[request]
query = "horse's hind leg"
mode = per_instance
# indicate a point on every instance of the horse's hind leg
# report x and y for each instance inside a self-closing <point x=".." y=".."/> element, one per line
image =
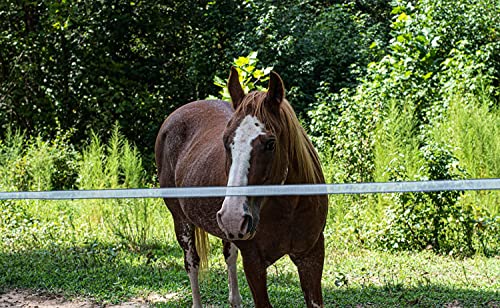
<point x="231" y="256"/>
<point x="310" y="267"/>
<point x="184" y="232"/>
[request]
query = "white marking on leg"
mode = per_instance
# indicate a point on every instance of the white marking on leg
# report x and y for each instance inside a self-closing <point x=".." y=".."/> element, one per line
<point x="192" y="272"/>
<point x="315" y="305"/>
<point x="195" y="287"/>
<point x="232" y="274"/>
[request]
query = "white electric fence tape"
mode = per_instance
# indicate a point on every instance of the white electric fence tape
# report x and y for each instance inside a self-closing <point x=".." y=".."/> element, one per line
<point x="270" y="190"/>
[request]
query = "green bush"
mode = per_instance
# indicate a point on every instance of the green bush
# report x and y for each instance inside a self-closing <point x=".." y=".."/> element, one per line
<point x="35" y="164"/>
<point x="415" y="116"/>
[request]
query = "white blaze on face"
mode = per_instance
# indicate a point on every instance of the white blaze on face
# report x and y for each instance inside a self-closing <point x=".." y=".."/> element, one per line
<point x="241" y="148"/>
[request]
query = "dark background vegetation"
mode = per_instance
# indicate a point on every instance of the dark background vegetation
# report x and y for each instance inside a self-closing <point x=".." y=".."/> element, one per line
<point x="83" y="65"/>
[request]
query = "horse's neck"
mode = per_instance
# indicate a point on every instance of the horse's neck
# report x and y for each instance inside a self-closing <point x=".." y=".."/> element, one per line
<point x="294" y="177"/>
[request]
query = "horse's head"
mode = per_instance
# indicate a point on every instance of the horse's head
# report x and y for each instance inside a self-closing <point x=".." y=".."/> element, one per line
<point x="254" y="153"/>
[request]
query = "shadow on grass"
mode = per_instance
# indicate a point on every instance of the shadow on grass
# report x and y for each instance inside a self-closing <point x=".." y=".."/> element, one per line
<point x="109" y="275"/>
<point x="285" y="292"/>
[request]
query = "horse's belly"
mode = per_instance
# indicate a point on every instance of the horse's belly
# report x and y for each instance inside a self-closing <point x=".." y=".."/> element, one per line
<point x="202" y="213"/>
<point x="201" y="167"/>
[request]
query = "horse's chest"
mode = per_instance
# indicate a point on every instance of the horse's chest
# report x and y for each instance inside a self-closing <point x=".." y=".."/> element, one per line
<point x="292" y="226"/>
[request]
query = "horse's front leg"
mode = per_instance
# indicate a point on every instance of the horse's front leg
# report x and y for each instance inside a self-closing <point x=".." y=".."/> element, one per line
<point x="310" y="267"/>
<point x="185" y="236"/>
<point x="231" y="256"/>
<point x="256" y="274"/>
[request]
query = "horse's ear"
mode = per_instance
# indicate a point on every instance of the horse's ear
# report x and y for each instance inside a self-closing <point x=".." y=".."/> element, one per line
<point x="234" y="87"/>
<point x="275" y="92"/>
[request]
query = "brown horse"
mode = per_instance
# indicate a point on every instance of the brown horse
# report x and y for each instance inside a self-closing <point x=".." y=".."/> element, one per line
<point x="256" y="141"/>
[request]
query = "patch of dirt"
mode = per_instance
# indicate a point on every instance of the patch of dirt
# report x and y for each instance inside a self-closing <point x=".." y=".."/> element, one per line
<point x="32" y="299"/>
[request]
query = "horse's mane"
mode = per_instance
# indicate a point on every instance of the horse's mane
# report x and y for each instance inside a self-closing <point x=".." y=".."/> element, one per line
<point x="292" y="139"/>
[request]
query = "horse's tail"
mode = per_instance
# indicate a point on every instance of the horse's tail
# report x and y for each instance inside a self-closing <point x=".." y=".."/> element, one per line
<point x="202" y="246"/>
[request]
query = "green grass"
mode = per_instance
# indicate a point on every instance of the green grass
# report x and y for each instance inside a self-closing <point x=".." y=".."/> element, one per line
<point x="76" y="255"/>
<point x="111" y="273"/>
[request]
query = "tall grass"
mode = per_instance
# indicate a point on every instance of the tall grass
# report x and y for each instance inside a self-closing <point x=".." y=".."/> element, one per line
<point x="36" y="164"/>
<point x="463" y="143"/>
<point x="137" y="223"/>
<point x="11" y="154"/>
<point x="397" y="142"/>
<point x="472" y="125"/>
<point x="91" y="168"/>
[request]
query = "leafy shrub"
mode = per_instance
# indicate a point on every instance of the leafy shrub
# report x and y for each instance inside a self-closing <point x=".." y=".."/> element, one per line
<point x="343" y="126"/>
<point x="401" y="123"/>
<point x="36" y="164"/>
<point x="251" y="78"/>
<point x="428" y="220"/>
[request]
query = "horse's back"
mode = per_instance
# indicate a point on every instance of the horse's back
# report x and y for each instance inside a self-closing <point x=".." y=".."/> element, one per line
<point x="190" y="132"/>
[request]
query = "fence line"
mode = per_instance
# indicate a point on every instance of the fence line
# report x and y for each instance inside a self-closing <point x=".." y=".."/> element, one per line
<point x="267" y="190"/>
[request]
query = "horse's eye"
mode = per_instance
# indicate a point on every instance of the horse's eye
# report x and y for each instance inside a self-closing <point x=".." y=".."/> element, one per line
<point x="270" y="145"/>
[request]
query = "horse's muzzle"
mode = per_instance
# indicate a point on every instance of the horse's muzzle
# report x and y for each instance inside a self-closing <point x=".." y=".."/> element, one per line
<point x="235" y="220"/>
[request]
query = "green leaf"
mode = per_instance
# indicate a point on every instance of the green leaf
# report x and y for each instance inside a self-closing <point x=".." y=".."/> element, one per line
<point x="219" y="82"/>
<point x="397" y="10"/>
<point x="435" y="42"/>
<point x="403" y="17"/>
<point x="258" y="73"/>
<point x="268" y="70"/>
<point x="242" y="61"/>
<point x="427" y="76"/>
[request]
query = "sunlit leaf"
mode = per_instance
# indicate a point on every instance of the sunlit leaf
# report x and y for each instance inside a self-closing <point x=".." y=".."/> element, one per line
<point x="241" y="61"/>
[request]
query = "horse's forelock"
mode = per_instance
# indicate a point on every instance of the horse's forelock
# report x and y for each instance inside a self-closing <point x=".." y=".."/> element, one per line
<point x="294" y="147"/>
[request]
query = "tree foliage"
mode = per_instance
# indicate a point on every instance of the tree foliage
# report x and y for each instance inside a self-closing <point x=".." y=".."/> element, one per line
<point x="82" y="65"/>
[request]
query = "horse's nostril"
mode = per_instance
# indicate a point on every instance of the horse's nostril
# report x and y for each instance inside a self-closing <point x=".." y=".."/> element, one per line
<point x="230" y="235"/>
<point x="247" y="224"/>
<point x="219" y="219"/>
